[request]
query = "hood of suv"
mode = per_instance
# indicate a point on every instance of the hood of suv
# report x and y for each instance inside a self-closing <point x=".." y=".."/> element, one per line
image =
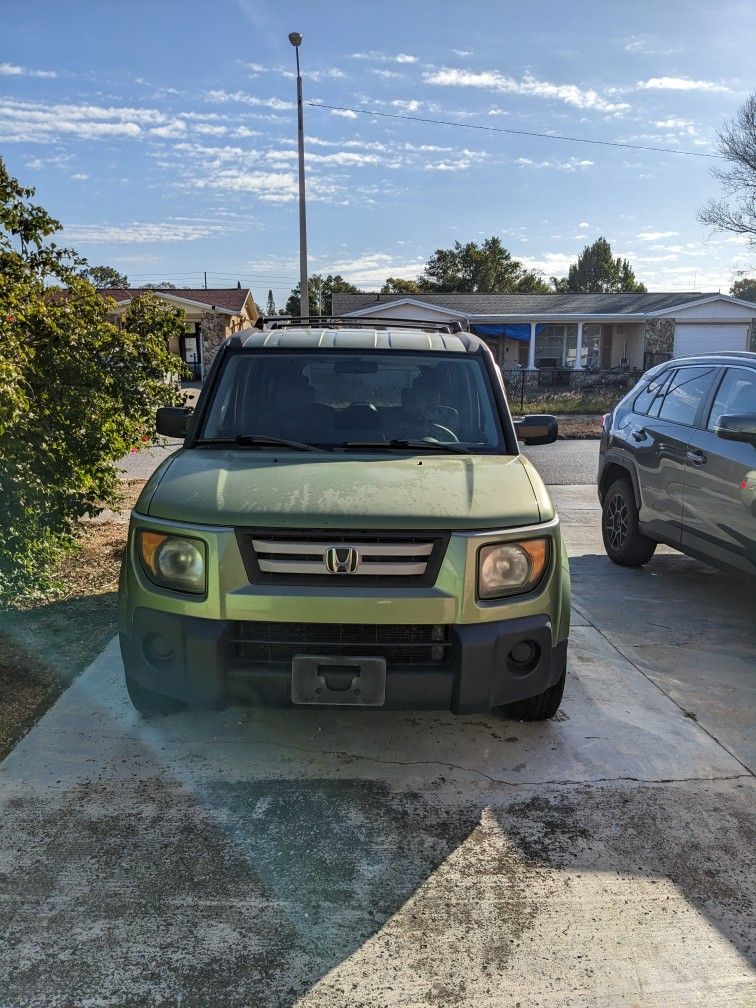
<point x="230" y="487"/>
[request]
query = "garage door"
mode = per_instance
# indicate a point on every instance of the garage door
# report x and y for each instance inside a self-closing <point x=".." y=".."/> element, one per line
<point x="698" y="339"/>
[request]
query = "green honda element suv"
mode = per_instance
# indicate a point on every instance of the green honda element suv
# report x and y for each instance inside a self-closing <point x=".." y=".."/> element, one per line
<point x="348" y="522"/>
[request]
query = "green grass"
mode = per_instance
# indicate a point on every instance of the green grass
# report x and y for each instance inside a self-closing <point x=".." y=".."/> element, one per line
<point x="569" y="402"/>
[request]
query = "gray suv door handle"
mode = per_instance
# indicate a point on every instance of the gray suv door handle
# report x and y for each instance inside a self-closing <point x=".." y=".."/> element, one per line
<point x="696" y="457"/>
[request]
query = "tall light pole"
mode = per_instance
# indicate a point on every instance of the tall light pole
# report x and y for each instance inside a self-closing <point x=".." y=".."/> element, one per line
<point x="304" y="300"/>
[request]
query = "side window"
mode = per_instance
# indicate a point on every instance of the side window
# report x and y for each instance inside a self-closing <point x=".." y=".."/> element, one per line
<point x="736" y="395"/>
<point x="687" y="390"/>
<point x="649" y="399"/>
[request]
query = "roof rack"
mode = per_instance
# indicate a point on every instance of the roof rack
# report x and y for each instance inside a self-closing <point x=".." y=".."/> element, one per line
<point x="366" y="321"/>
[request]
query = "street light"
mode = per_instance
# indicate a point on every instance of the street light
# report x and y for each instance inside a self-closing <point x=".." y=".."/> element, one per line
<point x="304" y="301"/>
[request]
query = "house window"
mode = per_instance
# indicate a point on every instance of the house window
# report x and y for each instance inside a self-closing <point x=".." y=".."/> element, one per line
<point x="556" y="346"/>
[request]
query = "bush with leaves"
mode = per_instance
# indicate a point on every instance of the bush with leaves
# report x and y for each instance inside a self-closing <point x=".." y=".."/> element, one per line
<point x="76" y="392"/>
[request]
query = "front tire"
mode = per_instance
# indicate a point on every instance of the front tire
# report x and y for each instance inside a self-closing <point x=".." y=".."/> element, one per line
<point x="148" y="703"/>
<point x="537" y="708"/>
<point x="624" y="543"/>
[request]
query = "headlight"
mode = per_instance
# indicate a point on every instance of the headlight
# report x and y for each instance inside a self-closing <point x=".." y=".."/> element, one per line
<point x="511" y="568"/>
<point x="176" y="562"/>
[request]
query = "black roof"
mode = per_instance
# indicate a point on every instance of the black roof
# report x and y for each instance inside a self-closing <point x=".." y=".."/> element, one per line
<point x="539" y="304"/>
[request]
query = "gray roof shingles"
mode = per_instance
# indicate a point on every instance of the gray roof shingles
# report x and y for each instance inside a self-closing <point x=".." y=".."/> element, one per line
<point x="538" y="304"/>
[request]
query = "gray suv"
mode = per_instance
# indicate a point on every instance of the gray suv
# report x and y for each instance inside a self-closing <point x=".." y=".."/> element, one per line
<point x="677" y="464"/>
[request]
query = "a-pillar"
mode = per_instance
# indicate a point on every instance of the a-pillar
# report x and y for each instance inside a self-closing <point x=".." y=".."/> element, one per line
<point x="579" y="348"/>
<point x="531" y="347"/>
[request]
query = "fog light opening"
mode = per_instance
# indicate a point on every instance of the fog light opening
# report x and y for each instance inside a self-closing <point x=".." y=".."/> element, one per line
<point x="524" y="656"/>
<point x="158" y="650"/>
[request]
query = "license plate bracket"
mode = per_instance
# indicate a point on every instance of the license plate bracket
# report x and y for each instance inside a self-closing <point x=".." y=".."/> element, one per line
<point x="338" y="680"/>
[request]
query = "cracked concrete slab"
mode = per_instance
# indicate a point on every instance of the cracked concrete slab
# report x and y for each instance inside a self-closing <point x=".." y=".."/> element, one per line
<point x="338" y="859"/>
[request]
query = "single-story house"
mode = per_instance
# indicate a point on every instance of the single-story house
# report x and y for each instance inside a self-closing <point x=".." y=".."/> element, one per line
<point x="577" y="331"/>
<point x="211" y="315"/>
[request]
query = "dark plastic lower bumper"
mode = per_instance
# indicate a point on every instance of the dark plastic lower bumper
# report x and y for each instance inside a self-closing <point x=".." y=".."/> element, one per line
<point x="189" y="658"/>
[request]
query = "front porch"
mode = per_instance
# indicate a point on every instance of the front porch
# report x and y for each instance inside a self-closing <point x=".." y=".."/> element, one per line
<point x="572" y="345"/>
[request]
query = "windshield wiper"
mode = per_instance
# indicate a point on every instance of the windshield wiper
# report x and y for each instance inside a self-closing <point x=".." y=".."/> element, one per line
<point x="262" y="440"/>
<point x="401" y="443"/>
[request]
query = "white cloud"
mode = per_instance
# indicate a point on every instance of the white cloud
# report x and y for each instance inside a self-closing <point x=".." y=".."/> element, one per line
<point x="371" y="270"/>
<point x="672" y="123"/>
<point x="678" y="84"/>
<point x="385" y="74"/>
<point x="343" y="113"/>
<point x="572" y="165"/>
<point x="12" y="70"/>
<point x="462" y="52"/>
<point x="337" y="158"/>
<point x="382" y="57"/>
<point x="174" y="128"/>
<point x="141" y="232"/>
<point x="448" y="166"/>
<point x="583" y="224"/>
<point x="655" y="235"/>
<point x="648" y="46"/>
<point x="80" y="176"/>
<point x="407" y="106"/>
<point x="278" y="104"/>
<point x="492" y="80"/>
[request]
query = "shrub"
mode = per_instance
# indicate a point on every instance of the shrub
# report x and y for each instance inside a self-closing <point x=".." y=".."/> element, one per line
<point x="76" y="392"/>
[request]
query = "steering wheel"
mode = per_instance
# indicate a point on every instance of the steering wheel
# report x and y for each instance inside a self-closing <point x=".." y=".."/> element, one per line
<point x="452" y="435"/>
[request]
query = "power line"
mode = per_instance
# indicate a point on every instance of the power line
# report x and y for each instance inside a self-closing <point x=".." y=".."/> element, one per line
<point x="515" y="132"/>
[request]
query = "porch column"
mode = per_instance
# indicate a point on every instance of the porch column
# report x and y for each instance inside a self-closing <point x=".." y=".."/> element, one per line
<point x="531" y="347"/>
<point x="579" y="348"/>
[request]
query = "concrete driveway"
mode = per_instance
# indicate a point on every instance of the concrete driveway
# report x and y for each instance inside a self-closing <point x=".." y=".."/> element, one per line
<point x="344" y="858"/>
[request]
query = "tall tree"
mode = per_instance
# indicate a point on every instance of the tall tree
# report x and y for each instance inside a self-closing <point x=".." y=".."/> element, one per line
<point x="163" y="285"/>
<point x="745" y="288"/>
<point x="319" y="290"/>
<point x="397" y="285"/>
<point x="736" y="211"/>
<point x="597" y="271"/>
<point x="270" y="305"/>
<point x="487" y="268"/>
<point x="105" y="276"/>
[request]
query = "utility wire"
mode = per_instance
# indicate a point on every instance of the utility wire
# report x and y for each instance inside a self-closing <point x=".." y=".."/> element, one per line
<point x="515" y="132"/>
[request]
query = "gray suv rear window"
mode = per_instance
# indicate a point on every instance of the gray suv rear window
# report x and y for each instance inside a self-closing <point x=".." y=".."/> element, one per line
<point x="687" y="391"/>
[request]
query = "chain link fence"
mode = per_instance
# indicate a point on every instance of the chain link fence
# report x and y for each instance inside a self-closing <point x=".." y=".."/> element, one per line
<point x="563" y="390"/>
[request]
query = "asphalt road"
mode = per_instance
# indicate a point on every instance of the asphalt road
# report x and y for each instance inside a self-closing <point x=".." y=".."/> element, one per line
<point x="565" y="462"/>
<point x="369" y="859"/>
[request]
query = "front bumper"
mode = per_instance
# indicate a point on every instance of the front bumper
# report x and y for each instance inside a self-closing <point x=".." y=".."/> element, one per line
<point x="195" y="660"/>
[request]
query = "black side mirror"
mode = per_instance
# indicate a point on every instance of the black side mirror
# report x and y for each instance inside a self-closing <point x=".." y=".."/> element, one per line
<point x="540" y="428"/>
<point x="172" y="421"/>
<point x="737" y="428"/>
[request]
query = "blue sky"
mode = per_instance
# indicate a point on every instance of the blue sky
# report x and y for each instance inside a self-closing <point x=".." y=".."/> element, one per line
<point x="163" y="135"/>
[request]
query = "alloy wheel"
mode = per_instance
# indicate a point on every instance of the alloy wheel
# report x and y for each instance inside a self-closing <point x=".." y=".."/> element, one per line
<point x="616" y="521"/>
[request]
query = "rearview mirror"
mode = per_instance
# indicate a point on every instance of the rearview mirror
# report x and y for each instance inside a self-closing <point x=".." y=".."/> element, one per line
<point x="540" y="428"/>
<point x="172" y="421"/>
<point x="737" y="428"/>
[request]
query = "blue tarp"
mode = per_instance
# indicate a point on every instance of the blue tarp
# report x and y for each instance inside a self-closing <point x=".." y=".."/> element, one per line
<point x="514" y="330"/>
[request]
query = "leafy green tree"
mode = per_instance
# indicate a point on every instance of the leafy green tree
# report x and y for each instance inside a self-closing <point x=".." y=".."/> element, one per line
<point x="105" y="276"/>
<point x="76" y="392"/>
<point x="163" y="285"/>
<point x="597" y="271"/>
<point x="270" y="304"/>
<point x="396" y="285"/>
<point x="736" y="212"/>
<point x="745" y="288"/>
<point x="487" y="268"/>
<point x="319" y="290"/>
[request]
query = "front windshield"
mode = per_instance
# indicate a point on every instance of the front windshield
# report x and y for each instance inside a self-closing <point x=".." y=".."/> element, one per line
<point x="334" y="399"/>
